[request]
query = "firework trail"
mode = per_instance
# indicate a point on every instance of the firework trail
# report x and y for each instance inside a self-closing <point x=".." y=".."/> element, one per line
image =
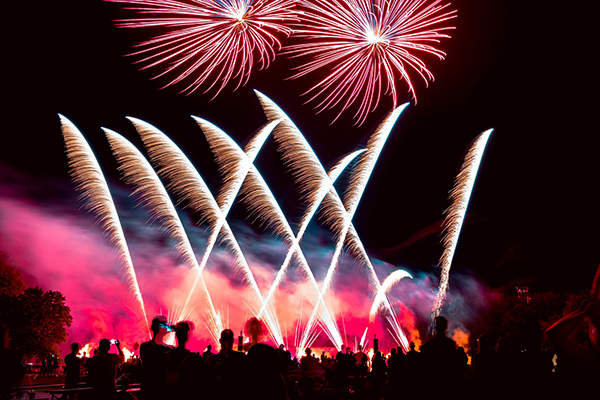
<point x="366" y="45"/>
<point x="387" y="284"/>
<point x="455" y="214"/>
<point x="317" y="197"/>
<point x="352" y="197"/>
<point x="208" y="43"/>
<point x="262" y="204"/>
<point x="174" y="166"/>
<point x="309" y="172"/>
<point x="138" y="172"/>
<point x="235" y="165"/>
<point x="329" y="324"/>
<point x="88" y="178"/>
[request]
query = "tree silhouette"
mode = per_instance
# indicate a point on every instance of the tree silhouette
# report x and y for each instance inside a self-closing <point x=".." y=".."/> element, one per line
<point x="37" y="319"/>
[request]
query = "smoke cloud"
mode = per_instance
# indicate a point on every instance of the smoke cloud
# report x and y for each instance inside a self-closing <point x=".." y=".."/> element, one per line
<point x="59" y="247"/>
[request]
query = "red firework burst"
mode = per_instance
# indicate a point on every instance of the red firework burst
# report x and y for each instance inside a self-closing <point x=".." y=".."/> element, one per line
<point x="209" y="42"/>
<point x="366" y="46"/>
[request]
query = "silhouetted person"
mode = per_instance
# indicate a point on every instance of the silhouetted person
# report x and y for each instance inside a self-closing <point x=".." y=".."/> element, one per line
<point x="265" y="369"/>
<point x="73" y="366"/>
<point x="413" y="362"/>
<point x="207" y="353"/>
<point x="378" y="372"/>
<point x="183" y="365"/>
<point x="396" y="368"/>
<point x="54" y="365"/>
<point x="440" y="354"/>
<point x="225" y="371"/>
<point x="154" y="361"/>
<point x="11" y="365"/>
<point x="362" y="361"/>
<point x="486" y="364"/>
<point x="48" y="370"/>
<point x="310" y="367"/>
<point x="104" y="367"/>
<point x="345" y="367"/>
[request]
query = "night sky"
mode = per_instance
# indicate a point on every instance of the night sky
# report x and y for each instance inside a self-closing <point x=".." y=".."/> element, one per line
<point x="522" y="68"/>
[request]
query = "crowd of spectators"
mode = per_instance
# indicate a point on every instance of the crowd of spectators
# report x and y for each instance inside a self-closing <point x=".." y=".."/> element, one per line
<point x="439" y="368"/>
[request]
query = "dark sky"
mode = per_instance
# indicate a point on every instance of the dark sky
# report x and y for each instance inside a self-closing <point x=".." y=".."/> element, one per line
<point x="522" y="68"/>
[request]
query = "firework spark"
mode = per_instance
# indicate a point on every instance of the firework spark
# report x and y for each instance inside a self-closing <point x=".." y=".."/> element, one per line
<point x="138" y="172"/>
<point x="455" y="214"/>
<point x="340" y="215"/>
<point x="262" y="204"/>
<point x="317" y="197"/>
<point x="208" y="43"/>
<point x="365" y="46"/>
<point x="387" y="284"/>
<point x="236" y="164"/>
<point x="309" y="172"/>
<point x="89" y="179"/>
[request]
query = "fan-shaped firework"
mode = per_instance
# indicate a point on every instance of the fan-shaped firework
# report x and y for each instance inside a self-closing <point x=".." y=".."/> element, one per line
<point x="365" y="46"/>
<point x="207" y="43"/>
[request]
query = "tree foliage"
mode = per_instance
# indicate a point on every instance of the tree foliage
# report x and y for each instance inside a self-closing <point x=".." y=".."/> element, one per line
<point x="522" y="319"/>
<point x="37" y="319"/>
<point x="10" y="279"/>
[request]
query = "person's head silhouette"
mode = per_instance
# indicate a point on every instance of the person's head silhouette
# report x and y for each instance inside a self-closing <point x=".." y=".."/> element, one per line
<point x="441" y="325"/>
<point x="226" y="340"/>
<point x="159" y="328"/>
<point x="75" y="348"/>
<point x="182" y="331"/>
<point x="104" y="346"/>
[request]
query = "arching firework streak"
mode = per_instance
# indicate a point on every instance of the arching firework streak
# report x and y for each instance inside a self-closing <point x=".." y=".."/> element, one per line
<point x="190" y="186"/>
<point x="460" y="195"/>
<point x="187" y="182"/>
<point x="316" y="196"/>
<point x="386" y="286"/>
<point x="298" y="154"/>
<point x="88" y="178"/>
<point x="138" y="172"/>
<point x="262" y="203"/>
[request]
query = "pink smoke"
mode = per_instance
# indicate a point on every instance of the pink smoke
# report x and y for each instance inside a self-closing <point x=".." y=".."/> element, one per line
<point x="60" y="248"/>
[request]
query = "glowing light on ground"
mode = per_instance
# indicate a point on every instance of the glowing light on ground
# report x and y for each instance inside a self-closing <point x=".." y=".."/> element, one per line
<point x="455" y="214"/>
<point x="86" y="351"/>
<point x="208" y="43"/>
<point x="364" y="47"/>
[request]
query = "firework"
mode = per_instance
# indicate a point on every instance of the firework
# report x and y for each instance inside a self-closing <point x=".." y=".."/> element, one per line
<point x="455" y="214"/>
<point x="387" y="284"/>
<point x="89" y="179"/>
<point x="317" y="197"/>
<point x="138" y="172"/>
<point x="308" y="172"/>
<point x="363" y="47"/>
<point x="340" y="216"/>
<point x="262" y="204"/>
<point x="208" y="43"/>
<point x="174" y="166"/>
<point x="236" y="164"/>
